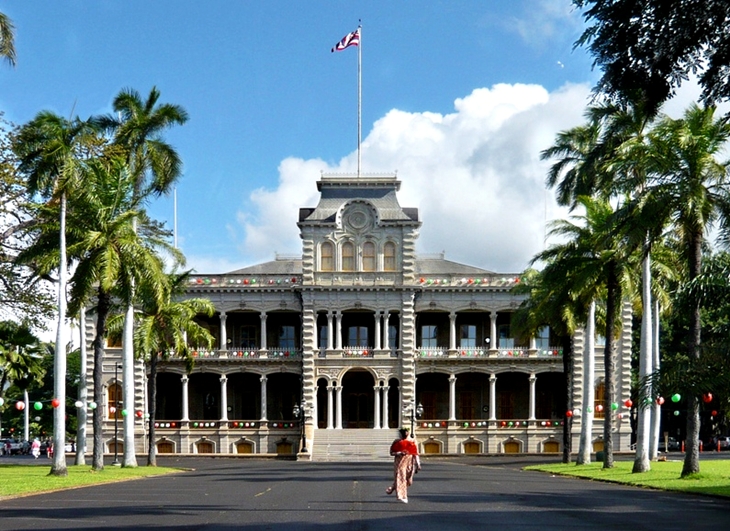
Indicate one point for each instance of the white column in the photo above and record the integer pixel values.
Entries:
(493, 397)
(533, 381)
(263, 397)
(185, 411)
(338, 390)
(330, 330)
(263, 331)
(378, 317)
(376, 409)
(224, 335)
(224, 398)
(386, 331)
(385, 407)
(493, 330)
(400, 407)
(452, 331)
(452, 397)
(338, 331)
(330, 407)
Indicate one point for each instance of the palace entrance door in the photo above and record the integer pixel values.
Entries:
(358, 399)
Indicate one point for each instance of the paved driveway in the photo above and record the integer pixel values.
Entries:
(489, 493)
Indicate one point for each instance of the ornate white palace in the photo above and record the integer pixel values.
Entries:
(334, 349)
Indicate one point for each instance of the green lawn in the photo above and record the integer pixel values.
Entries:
(16, 480)
(714, 476)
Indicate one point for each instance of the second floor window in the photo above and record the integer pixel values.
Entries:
(468, 336)
(248, 337)
(357, 336)
(429, 336)
(504, 340)
(542, 339)
(286, 337)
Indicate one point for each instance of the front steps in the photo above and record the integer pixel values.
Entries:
(353, 445)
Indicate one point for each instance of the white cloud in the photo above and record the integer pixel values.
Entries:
(475, 175)
(541, 20)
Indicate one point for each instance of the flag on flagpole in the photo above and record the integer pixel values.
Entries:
(351, 39)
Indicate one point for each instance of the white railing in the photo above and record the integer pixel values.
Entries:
(513, 352)
(431, 352)
(357, 352)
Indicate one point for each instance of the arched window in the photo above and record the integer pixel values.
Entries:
(368, 256)
(599, 398)
(389, 256)
(327, 257)
(348, 257)
(114, 401)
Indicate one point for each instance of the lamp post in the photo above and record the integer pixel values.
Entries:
(299, 413)
(117, 366)
(416, 413)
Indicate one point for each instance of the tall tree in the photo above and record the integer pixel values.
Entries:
(20, 357)
(689, 187)
(7, 39)
(51, 150)
(164, 329)
(595, 265)
(649, 47)
(154, 166)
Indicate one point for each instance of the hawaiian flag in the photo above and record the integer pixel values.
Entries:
(351, 39)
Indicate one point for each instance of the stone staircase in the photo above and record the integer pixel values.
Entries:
(353, 445)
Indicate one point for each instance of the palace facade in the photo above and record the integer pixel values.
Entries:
(359, 335)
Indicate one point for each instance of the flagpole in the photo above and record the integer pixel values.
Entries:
(359, 99)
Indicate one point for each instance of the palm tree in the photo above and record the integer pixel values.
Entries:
(20, 357)
(154, 166)
(112, 257)
(549, 303)
(594, 267)
(51, 151)
(690, 188)
(7, 39)
(164, 328)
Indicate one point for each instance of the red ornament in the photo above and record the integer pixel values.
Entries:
(569, 413)
(55, 402)
(599, 407)
(138, 413)
(660, 400)
(628, 402)
(714, 413)
(707, 398)
(20, 406)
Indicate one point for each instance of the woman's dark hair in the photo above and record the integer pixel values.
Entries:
(403, 433)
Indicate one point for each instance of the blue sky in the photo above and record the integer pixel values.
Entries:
(459, 96)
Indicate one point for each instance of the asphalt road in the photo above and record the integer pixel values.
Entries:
(486, 493)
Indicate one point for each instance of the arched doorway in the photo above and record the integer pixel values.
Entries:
(358, 398)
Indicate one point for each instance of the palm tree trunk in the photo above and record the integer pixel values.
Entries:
(568, 420)
(613, 300)
(656, 413)
(152, 453)
(58, 466)
(97, 460)
(130, 458)
(83, 393)
(692, 457)
(641, 459)
(589, 369)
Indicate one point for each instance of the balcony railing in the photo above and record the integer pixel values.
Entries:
(357, 352)
(432, 352)
(513, 352)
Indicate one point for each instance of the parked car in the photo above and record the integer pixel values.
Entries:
(723, 443)
(670, 444)
(13, 447)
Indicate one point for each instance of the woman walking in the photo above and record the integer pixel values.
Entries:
(405, 465)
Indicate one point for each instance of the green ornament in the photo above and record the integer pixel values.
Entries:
(195, 424)
(614, 406)
(589, 409)
(676, 413)
(124, 412)
(37, 406)
(676, 397)
(466, 424)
